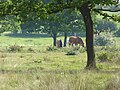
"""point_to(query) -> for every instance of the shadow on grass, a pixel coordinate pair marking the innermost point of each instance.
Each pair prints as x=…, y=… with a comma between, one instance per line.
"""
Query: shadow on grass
x=27, y=35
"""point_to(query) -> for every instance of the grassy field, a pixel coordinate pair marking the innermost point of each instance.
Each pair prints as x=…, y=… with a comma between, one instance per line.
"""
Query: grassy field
x=30, y=63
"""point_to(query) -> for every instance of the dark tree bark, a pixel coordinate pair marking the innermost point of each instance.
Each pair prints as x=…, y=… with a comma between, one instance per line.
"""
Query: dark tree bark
x=54, y=39
x=85, y=11
x=23, y=31
x=65, y=38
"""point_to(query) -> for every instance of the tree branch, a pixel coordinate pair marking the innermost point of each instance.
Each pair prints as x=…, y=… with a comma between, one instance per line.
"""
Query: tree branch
x=108, y=10
x=106, y=15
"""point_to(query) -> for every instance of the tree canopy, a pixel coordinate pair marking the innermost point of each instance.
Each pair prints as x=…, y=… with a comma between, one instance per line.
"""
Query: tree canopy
x=39, y=8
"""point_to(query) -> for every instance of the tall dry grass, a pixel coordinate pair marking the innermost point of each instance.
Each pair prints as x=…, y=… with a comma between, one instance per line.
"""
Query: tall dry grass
x=64, y=80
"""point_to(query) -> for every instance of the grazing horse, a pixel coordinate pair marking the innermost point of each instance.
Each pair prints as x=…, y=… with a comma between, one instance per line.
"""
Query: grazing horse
x=75, y=40
x=59, y=43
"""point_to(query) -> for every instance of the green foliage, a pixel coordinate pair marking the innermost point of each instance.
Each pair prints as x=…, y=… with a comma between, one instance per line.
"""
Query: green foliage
x=67, y=21
x=51, y=25
x=32, y=26
x=103, y=56
x=111, y=49
x=72, y=21
x=117, y=33
x=105, y=25
x=26, y=9
x=108, y=54
x=104, y=39
x=9, y=23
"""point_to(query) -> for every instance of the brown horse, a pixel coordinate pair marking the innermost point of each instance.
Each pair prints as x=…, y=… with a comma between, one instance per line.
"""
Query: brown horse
x=75, y=40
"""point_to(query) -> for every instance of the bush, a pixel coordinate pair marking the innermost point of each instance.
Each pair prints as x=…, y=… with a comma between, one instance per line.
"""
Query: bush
x=15, y=48
x=71, y=52
x=78, y=48
x=82, y=50
x=104, y=39
x=111, y=49
x=102, y=56
x=31, y=50
x=108, y=56
x=75, y=50
x=51, y=48
x=117, y=33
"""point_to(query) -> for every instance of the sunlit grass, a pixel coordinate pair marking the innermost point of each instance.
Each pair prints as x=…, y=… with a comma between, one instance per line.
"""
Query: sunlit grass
x=36, y=68
x=82, y=80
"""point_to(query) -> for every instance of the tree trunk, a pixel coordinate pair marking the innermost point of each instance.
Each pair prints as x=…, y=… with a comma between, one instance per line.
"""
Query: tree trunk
x=85, y=11
x=23, y=31
x=54, y=39
x=65, y=38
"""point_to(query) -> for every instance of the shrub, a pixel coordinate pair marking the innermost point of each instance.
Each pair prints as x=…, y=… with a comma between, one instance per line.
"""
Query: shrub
x=108, y=56
x=104, y=39
x=75, y=50
x=82, y=50
x=102, y=56
x=51, y=48
x=78, y=48
x=71, y=52
x=15, y=48
x=117, y=33
x=30, y=49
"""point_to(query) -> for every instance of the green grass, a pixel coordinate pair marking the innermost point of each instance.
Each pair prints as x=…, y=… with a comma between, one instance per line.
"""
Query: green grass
x=35, y=68
x=26, y=40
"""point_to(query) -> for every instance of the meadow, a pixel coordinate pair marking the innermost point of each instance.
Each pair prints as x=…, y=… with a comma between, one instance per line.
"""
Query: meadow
x=30, y=62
